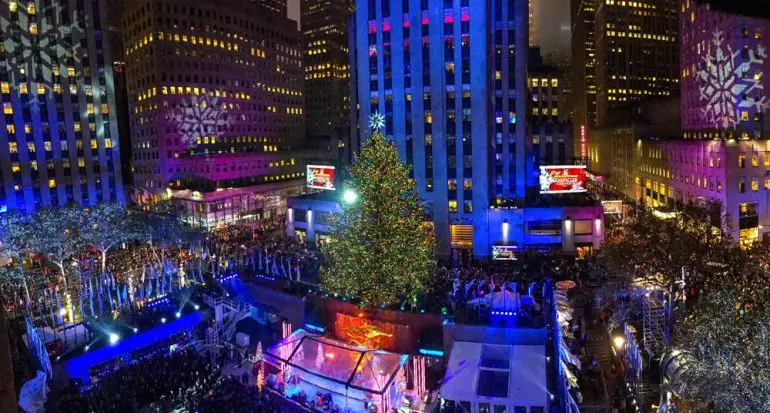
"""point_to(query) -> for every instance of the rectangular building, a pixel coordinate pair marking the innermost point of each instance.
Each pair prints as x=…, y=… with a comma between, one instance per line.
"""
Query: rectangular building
x=327, y=71
x=637, y=52
x=724, y=64
x=216, y=96
x=58, y=133
x=431, y=67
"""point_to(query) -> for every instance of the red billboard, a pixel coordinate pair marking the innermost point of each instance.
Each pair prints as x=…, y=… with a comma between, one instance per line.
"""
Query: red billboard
x=320, y=177
x=562, y=179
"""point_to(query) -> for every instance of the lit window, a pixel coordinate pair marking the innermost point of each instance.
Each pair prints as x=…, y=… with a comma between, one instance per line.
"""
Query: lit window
x=754, y=185
x=33, y=28
x=7, y=109
x=52, y=183
x=31, y=8
x=5, y=87
x=12, y=6
x=741, y=161
x=12, y=147
x=452, y=206
x=754, y=160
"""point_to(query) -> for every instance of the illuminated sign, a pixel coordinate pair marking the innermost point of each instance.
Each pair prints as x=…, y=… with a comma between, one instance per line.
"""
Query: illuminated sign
x=320, y=177
x=583, y=142
x=504, y=252
x=562, y=179
x=613, y=207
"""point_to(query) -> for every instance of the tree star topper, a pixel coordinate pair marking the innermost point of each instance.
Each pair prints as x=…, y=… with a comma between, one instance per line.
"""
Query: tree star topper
x=376, y=121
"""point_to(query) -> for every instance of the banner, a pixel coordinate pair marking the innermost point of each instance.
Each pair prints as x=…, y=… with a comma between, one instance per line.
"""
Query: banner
x=320, y=177
x=562, y=179
x=504, y=252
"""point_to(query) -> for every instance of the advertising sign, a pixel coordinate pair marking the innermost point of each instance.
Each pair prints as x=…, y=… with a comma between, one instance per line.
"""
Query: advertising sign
x=504, y=252
x=613, y=207
x=320, y=177
x=562, y=179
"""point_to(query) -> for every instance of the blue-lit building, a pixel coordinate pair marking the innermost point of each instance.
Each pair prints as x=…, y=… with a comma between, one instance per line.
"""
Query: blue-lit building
x=450, y=76
x=58, y=132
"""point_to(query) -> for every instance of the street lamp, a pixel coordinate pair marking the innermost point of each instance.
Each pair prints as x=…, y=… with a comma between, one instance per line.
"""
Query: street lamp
x=619, y=342
x=349, y=196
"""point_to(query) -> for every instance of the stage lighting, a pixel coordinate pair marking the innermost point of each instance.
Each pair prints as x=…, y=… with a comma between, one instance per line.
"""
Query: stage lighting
x=197, y=307
x=62, y=312
x=163, y=320
x=114, y=338
x=178, y=314
x=135, y=329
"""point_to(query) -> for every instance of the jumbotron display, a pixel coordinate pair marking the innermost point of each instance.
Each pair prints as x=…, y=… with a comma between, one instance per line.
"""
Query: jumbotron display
x=562, y=179
x=320, y=177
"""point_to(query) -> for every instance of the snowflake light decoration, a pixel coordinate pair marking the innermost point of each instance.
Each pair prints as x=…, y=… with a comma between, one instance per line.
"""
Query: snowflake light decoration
x=722, y=83
x=200, y=115
x=39, y=41
x=376, y=121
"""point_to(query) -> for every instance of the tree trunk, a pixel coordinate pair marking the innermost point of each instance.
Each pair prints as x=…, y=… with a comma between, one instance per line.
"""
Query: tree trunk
x=24, y=282
x=63, y=276
x=104, y=261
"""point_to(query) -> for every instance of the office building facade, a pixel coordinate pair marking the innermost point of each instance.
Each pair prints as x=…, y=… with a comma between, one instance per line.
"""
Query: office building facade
x=216, y=98
x=327, y=71
x=430, y=66
x=278, y=6
x=637, y=52
x=724, y=64
x=59, y=136
x=583, y=96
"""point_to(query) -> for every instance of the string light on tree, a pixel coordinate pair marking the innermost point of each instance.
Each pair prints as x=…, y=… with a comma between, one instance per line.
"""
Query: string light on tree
x=382, y=249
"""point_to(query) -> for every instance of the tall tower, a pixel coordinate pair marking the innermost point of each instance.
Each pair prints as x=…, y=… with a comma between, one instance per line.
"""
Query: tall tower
x=278, y=6
x=216, y=96
x=583, y=94
x=327, y=77
x=58, y=135
x=637, y=52
x=431, y=66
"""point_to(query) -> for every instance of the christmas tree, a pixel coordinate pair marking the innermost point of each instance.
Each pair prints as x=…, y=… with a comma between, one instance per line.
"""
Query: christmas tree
x=382, y=249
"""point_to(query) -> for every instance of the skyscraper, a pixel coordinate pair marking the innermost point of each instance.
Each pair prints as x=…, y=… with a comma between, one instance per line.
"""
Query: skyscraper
x=58, y=135
x=724, y=67
x=431, y=66
x=637, y=52
x=327, y=80
x=216, y=95
x=278, y=6
x=583, y=94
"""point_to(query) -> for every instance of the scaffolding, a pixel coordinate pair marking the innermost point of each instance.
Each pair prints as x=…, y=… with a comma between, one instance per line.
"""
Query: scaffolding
x=656, y=311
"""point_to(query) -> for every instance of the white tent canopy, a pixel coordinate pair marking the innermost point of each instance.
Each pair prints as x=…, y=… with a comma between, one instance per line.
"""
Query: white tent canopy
x=500, y=375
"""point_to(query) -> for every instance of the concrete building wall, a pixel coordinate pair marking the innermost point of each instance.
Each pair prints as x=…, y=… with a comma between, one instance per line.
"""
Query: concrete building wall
x=723, y=69
x=59, y=138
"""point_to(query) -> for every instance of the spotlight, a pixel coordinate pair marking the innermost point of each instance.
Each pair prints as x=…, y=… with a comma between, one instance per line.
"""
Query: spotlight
x=63, y=312
x=178, y=314
x=197, y=307
x=114, y=338
x=163, y=320
x=135, y=329
x=87, y=347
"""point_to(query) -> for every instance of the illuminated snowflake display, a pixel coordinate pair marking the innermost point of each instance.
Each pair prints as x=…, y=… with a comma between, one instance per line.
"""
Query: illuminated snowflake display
x=38, y=41
x=199, y=116
x=730, y=83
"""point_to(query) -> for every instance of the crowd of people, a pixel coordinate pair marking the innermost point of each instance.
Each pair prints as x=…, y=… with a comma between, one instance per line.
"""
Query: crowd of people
x=230, y=395
x=159, y=383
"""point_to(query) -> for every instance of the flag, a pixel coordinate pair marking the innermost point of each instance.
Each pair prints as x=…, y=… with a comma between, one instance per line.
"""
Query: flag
x=141, y=289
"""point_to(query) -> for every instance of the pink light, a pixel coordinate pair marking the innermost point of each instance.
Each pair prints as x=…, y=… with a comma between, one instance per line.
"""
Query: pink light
x=464, y=15
x=449, y=19
x=406, y=23
x=386, y=27
x=424, y=20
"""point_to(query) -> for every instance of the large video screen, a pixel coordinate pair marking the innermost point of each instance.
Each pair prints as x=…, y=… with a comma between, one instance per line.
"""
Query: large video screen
x=562, y=179
x=320, y=177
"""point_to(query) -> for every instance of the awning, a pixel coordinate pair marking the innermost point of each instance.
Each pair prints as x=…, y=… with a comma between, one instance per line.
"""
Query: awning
x=484, y=372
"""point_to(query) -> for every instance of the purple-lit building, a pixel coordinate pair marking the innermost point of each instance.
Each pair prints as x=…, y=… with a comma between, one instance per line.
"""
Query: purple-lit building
x=58, y=132
x=216, y=96
x=724, y=67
